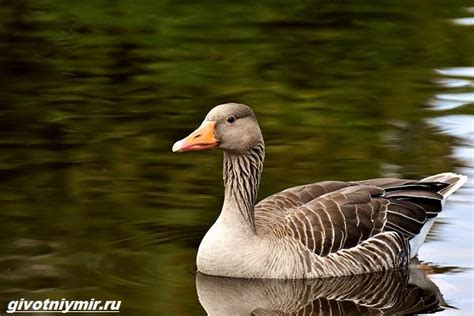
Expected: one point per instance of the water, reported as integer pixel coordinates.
(94, 93)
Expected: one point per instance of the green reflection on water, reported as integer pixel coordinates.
(94, 93)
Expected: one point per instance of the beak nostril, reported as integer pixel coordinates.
(196, 136)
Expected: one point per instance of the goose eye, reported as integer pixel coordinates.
(231, 119)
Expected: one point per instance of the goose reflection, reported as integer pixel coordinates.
(396, 292)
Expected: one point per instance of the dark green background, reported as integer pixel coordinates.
(94, 93)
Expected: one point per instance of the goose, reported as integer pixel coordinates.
(317, 230)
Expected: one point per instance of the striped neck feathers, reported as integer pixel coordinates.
(242, 173)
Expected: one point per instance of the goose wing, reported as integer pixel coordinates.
(412, 203)
(329, 216)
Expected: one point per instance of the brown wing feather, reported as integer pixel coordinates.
(412, 203)
(299, 195)
(329, 216)
(339, 219)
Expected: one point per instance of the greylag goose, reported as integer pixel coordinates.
(323, 229)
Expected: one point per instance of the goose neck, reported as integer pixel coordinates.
(242, 173)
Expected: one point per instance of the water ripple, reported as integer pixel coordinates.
(464, 21)
(448, 101)
(457, 72)
(454, 83)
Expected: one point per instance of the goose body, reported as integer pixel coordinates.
(324, 229)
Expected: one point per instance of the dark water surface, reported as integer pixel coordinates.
(94, 93)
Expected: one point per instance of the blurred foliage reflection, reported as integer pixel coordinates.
(94, 93)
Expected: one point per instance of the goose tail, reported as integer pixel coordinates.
(454, 181)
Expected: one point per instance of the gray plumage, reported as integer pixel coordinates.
(324, 229)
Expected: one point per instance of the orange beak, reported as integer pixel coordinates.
(201, 139)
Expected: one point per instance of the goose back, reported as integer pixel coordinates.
(329, 216)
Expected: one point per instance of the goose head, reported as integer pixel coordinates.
(231, 127)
